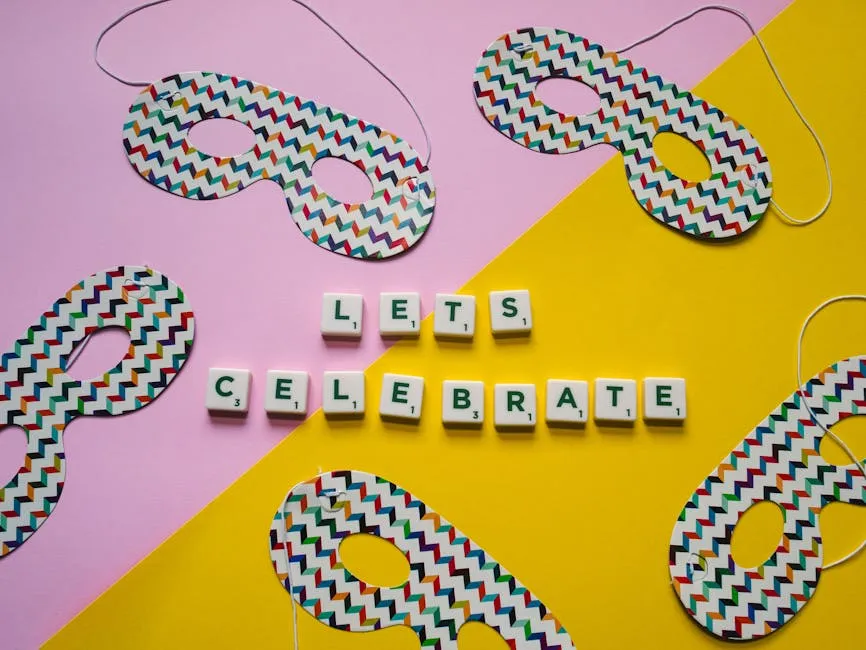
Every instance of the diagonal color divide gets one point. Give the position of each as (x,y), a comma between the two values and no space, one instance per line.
(240,259)
(584,517)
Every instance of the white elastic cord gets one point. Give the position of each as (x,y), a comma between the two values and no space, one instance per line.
(739,14)
(77,352)
(114,24)
(315,13)
(827,431)
(285,528)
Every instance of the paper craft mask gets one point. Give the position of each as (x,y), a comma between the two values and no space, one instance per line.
(452,581)
(37,395)
(636,105)
(291,133)
(778,461)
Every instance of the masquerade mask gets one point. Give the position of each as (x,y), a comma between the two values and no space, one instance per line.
(291,134)
(452,581)
(636,105)
(37,395)
(778,461)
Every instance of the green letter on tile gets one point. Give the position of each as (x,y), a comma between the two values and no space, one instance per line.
(400,392)
(219,386)
(514,398)
(398,309)
(461,398)
(283,389)
(567,397)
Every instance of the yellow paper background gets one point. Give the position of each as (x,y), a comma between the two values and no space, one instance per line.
(583,517)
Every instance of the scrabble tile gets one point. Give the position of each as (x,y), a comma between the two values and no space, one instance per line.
(343,392)
(664,398)
(567,401)
(402,396)
(399,314)
(228,389)
(514,405)
(615,400)
(286,392)
(510,312)
(342,314)
(454,316)
(462,402)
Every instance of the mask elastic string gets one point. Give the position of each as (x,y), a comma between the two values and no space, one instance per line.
(739,14)
(114,24)
(812,415)
(327,24)
(77,353)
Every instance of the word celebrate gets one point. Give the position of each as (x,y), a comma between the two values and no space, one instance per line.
(515,406)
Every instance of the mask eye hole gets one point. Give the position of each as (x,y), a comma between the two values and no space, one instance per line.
(851,431)
(374,560)
(342,180)
(222,135)
(757,534)
(682,157)
(568,96)
(480,636)
(13,451)
(104,348)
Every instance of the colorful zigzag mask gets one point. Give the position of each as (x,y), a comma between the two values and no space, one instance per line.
(291,133)
(37,395)
(636,105)
(452,581)
(778,461)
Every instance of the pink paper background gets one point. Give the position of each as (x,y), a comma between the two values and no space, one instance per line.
(71,205)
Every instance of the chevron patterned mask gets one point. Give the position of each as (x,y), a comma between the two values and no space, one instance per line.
(452,581)
(37,395)
(291,134)
(636,105)
(778,461)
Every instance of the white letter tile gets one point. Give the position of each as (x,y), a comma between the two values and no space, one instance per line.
(342,314)
(514,405)
(399,314)
(454,316)
(615,400)
(343,393)
(228,389)
(567,401)
(510,312)
(462,402)
(402,396)
(286,392)
(664,398)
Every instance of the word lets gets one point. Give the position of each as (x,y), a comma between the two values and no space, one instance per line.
(400,314)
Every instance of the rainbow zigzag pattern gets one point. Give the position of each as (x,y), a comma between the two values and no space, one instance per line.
(37,395)
(291,133)
(635,107)
(452,581)
(778,461)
